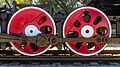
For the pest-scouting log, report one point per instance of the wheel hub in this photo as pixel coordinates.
(31, 30)
(87, 31)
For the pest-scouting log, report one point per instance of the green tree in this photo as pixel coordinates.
(24, 1)
(69, 4)
(1, 3)
(55, 6)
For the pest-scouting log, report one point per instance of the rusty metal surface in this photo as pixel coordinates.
(54, 40)
(63, 58)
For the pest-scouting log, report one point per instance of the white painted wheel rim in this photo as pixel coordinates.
(67, 20)
(8, 28)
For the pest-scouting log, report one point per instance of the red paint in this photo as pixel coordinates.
(27, 17)
(78, 15)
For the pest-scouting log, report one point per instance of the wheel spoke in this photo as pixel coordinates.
(34, 21)
(91, 22)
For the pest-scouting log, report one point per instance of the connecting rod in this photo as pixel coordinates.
(42, 40)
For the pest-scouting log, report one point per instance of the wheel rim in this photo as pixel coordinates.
(76, 26)
(32, 21)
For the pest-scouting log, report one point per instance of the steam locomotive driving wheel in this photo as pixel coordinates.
(31, 21)
(86, 22)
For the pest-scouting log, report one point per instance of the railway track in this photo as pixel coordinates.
(60, 55)
(61, 58)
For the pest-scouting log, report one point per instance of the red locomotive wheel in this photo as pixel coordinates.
(30, 21)
(86, 22)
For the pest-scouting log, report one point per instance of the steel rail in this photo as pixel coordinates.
(105, 55)
(61, 58)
